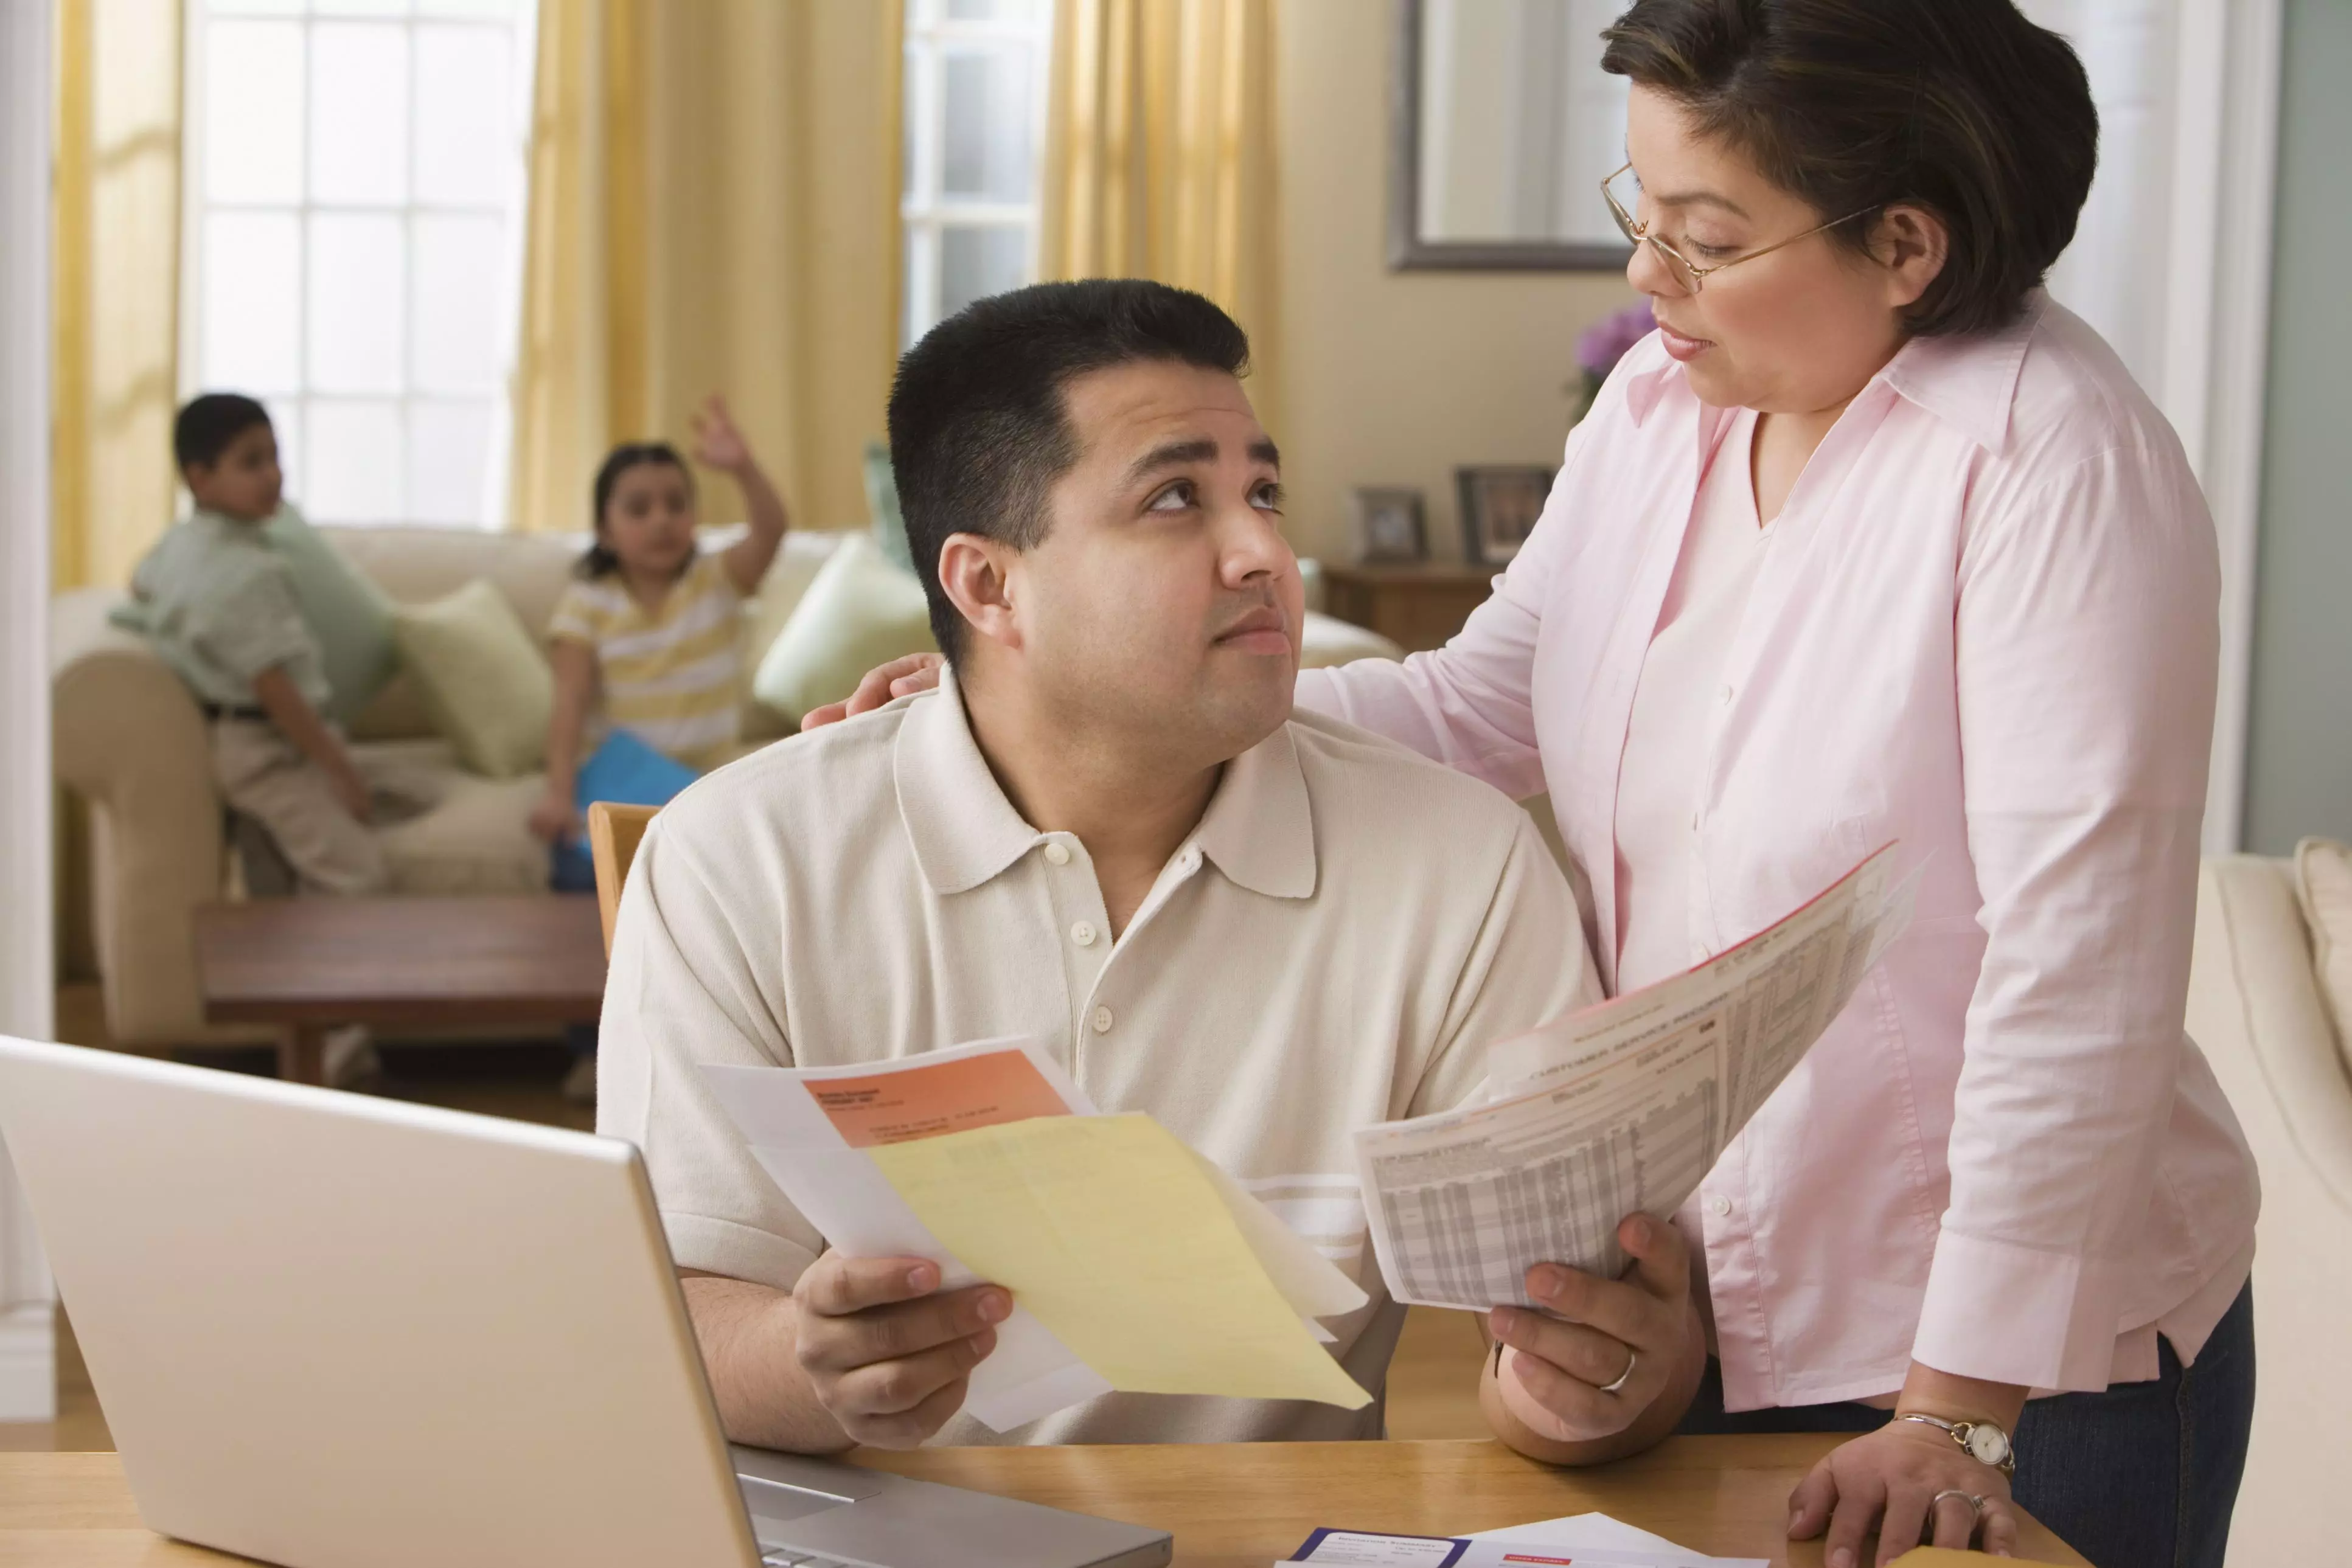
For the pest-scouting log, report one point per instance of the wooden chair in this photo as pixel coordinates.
(613, 834)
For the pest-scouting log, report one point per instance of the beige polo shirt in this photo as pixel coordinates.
(1335, 944)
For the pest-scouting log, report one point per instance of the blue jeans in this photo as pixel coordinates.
(2141, 1476)
(571, 869)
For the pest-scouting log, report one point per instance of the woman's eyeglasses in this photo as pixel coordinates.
(1687, 273)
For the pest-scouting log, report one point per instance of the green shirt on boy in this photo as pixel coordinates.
(220, 608)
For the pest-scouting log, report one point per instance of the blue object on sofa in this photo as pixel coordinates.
(627, 772)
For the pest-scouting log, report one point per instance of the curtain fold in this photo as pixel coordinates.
(713, 207)
(115, 286)
(1160, 157)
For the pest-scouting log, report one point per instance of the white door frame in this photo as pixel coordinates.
(2216, 327)
(28, 968)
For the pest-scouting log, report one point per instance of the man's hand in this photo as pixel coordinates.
(1888, 1481)
(888, 1357)
(1591, 1332)
(900, 677)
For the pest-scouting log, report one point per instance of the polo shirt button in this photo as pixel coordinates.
(1718, 1206)
(1057, 854)
(1103, 1020)
(1083, 934)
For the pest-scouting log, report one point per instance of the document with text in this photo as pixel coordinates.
(1620, 1108)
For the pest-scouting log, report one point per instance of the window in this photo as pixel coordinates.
(975, 113)
(353, 182)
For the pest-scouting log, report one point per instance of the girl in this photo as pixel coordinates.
(651, 626)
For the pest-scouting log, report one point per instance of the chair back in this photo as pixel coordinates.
(614, 833)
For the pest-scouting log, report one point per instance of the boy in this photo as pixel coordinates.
(219, 606)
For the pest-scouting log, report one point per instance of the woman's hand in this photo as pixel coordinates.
(1641, 1328)
(716, 442)
(898, 678)
(1888, 1480)
(552, 817)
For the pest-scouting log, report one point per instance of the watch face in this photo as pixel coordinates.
(1988, 1445)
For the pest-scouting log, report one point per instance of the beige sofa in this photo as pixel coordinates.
(130, 744)
(2255, 1008)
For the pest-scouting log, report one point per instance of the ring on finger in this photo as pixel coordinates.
(1975, 1505)
(1632, 1360)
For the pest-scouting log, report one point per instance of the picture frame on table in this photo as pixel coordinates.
(1390, 525)
(1500, 505)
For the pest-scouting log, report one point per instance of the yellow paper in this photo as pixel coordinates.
(1105, 1228)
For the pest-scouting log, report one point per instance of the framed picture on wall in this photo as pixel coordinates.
(1501, 504)
(1389, 526)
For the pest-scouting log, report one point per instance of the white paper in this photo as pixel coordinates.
(1599, 1532)
(1620, 1108)
(844, 1195)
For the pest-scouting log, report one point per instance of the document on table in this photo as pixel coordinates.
(1618, 1108)
(1134, 1263)
(1587, 1540)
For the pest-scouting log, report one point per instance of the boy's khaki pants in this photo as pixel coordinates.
(267, 776)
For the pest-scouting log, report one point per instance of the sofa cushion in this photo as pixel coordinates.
(475, 839)
(861, 610)
(2323, 887)
(482, 677)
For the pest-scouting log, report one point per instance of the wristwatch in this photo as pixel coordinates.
(1983, 1441)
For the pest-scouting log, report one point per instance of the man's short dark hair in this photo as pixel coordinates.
(979, 430)
(208, 424)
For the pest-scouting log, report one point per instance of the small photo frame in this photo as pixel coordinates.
(1390, 525)
(1501, 504)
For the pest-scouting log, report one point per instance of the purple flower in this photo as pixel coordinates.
(1603, 343)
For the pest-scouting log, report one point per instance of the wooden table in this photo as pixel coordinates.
(1238, 1506)
(310, 966)
(1418, 607)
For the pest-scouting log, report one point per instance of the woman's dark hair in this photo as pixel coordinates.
(598, 560)
(1960, 107)
(978, 426)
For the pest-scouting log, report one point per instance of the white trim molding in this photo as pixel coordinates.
(2217, 328)
(27, 969)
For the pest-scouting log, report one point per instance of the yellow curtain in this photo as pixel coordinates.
(114, 285)
(713, 207)
(1160, 159)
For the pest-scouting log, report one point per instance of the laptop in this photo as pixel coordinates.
(335, 1331)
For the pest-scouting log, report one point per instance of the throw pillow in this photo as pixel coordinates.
(860, 612)
(348, 614)
(2323, 885)
(481, 676)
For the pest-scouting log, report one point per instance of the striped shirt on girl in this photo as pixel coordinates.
(672, 677)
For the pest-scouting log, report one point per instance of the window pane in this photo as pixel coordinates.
(357, 321)
(458, 261)
(994, 10)
(359, 112)
(465, 127)
(986, 112)
(353, 459)
(255, 7)
(359, 7)
(448, 452)
(253, 111)
(977, 262)
(480, 10)
(252, 287)
(285, 419)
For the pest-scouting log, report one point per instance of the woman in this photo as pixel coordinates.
(1871, 542)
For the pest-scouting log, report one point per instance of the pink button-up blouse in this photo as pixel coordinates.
(1986, 627)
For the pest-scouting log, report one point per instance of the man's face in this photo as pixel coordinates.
(1162, 607)
(243, 482)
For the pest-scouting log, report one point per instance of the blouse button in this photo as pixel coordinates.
(1718, 1206)
(1083, 934)
(1057, 854)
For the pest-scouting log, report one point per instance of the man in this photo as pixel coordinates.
(1106, 831)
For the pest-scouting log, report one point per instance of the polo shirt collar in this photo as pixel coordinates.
(1258, 829)
(1968, 381)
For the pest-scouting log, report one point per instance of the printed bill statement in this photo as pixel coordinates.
(1615, 1109)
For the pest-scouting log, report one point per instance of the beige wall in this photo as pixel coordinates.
(1394, 378)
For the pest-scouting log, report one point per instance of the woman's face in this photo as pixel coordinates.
(648, 522)
(1799, 331)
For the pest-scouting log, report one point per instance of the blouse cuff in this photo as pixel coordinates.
(2015, 1314)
